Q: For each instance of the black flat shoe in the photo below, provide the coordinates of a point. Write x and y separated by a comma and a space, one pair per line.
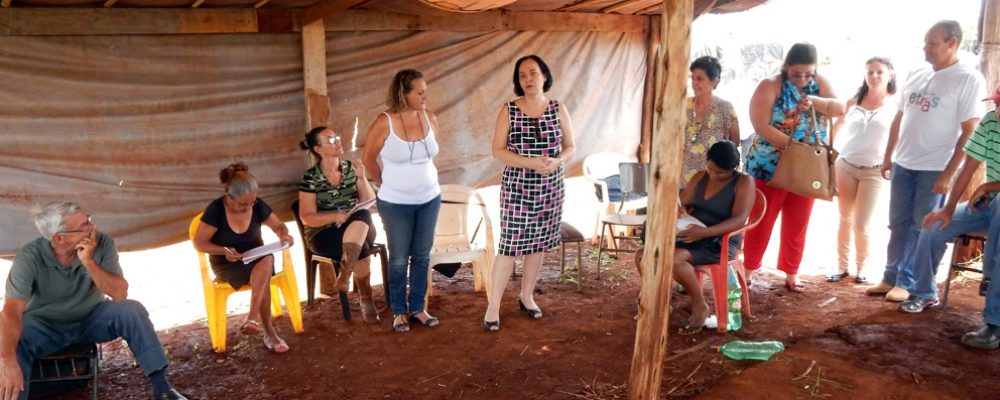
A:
836, 277
533, 313
171, 394
987, 337
491, 326
429, 322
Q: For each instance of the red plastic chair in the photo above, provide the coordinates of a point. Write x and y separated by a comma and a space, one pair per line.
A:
719, 275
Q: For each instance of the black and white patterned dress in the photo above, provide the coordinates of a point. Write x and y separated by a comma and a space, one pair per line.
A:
531, 204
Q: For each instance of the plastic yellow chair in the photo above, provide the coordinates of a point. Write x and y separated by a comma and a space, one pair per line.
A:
217, 294
454, 243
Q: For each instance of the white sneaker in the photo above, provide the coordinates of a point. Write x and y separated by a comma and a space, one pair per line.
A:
897, 294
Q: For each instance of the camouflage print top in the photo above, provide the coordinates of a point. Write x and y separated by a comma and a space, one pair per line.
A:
330, 198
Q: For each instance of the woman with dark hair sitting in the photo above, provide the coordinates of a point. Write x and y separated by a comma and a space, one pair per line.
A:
710, 119
230, 226
721, 198
329, 190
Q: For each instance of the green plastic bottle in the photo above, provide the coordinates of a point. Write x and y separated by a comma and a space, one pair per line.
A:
744, 350
734, 318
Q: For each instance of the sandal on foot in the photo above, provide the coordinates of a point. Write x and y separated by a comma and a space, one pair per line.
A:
429, 322
491, 326
400, 325
795, 287
860, 279
689, 329
836, 277
250, 327
278, 346
533, 313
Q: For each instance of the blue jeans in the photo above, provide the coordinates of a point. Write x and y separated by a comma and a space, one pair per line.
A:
910, 199
931, 245
109, 321
409, 231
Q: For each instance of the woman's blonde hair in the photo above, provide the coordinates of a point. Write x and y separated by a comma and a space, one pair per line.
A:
402, 84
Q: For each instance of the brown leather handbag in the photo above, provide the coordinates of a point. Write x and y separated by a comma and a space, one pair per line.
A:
806, 168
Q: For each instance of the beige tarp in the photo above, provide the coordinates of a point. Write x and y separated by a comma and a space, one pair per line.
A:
135, 128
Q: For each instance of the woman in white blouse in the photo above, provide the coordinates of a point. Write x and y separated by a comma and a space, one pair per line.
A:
861, 136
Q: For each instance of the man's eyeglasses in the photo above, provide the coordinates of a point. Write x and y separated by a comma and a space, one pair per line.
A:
332, 139
83, 228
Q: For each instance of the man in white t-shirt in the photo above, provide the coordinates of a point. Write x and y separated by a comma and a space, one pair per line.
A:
938, 109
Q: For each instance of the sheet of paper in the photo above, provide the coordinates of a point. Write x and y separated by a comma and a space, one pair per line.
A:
684, 220
250, 255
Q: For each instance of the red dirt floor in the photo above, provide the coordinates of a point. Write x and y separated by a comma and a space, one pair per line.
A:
855, 347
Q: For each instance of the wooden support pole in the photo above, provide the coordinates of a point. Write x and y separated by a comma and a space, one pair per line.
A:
621, 5
664, 181
110, 3
649, 91
5, 3
260, 3
197, 3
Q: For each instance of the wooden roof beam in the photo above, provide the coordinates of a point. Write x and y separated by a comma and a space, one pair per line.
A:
5, 3
109, 3
325, 8
577, 6
620, 5
260, 3
197, 3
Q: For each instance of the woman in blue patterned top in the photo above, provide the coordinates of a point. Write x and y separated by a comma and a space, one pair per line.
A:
780, 111
330, 189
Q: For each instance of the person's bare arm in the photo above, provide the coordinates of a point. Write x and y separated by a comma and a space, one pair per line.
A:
742, 206
115, 286
761, 105
11, 378
374, 141
365, 191
279, 228
890, 146
310, 216
827, 103
943, 181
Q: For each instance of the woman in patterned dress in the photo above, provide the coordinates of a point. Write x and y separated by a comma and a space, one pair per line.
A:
780, 113
533, 139
710, 119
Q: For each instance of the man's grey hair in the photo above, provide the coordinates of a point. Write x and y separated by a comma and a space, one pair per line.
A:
949, 29
49, 218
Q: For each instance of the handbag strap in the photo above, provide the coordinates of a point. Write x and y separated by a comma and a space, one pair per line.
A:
814, 130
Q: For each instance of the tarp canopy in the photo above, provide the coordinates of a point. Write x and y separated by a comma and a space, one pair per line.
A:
135, 128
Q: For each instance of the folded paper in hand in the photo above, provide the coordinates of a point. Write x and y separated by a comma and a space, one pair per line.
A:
684, 220
362, 205
250, 255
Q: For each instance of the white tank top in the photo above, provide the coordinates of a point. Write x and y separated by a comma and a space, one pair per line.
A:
408, 172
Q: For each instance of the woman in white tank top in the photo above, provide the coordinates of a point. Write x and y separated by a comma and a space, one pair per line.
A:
399, 155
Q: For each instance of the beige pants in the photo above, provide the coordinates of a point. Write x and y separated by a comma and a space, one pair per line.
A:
857, 194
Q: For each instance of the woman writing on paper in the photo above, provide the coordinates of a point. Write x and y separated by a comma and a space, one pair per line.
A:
328, 191
400, 152
720, 197
230, 225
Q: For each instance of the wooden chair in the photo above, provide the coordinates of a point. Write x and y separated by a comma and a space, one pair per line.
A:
634, 177
956, 266
78, 362
313, 262
719, 272
217, 293
454, 243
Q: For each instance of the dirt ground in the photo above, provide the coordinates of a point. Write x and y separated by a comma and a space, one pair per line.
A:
841, 344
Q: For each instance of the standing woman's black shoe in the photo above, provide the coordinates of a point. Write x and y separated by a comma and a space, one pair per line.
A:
491, 326
533, 313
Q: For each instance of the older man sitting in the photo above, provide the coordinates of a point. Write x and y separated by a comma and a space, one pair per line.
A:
57, 296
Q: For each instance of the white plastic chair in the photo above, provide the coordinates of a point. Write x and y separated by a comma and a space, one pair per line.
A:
599, 166
453, 242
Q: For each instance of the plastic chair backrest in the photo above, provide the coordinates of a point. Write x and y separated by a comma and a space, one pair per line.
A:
603, 164
453, 219
207, 278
